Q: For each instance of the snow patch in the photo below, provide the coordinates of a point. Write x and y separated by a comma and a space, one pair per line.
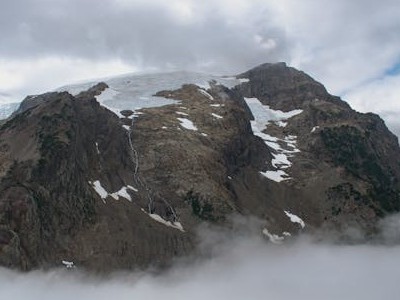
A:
135, 91
123, 192
314, 129
205, 85
274, 238
264, 114
243, 80
158, 218
99, 189
97, 147
274, 142
280, 160
204, 134
68, 264
132, 188
276, 176
205, 93
217, 116
282, 148
126, 127
6, 109
102, 192
216, 105
181, 113
106, 95
187, 124
295, 219
136, 114
281, 123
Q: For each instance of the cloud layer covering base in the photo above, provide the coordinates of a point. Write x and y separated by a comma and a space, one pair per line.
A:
247, 270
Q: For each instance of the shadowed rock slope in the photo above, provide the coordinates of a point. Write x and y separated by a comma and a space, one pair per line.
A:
79, 183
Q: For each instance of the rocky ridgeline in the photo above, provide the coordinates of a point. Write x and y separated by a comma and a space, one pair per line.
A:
108, 189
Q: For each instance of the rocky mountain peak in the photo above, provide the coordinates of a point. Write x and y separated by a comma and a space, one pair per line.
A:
284, 88
120, 173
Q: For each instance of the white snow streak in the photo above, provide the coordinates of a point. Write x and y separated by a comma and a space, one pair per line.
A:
182, 113
205, 93
68, 264
280, 160
264, 114
276, 176
97, 147
99, 189
158, 218
186, 123
274, 238
281, 123
217, 116
295, 219
281, 149
314, 129
123, 192
243, 80
102, 192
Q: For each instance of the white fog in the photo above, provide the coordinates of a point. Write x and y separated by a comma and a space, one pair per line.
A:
245, 267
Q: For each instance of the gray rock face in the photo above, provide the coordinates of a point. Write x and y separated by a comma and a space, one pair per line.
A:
78, 183
348, 161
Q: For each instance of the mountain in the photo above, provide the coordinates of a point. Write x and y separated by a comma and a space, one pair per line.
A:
119, 174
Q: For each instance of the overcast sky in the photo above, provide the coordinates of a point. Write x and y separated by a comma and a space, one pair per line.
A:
353, 47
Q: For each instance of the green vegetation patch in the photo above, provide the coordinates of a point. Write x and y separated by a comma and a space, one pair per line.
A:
351, 149
201, 207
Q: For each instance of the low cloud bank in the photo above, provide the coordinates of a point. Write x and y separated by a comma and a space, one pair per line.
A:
245, 267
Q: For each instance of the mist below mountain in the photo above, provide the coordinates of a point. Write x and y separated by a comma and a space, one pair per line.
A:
243, 267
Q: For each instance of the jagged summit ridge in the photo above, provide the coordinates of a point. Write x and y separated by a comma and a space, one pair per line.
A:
284, 88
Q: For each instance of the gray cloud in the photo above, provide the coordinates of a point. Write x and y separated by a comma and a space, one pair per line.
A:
343, 43
148, 35
347, 45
